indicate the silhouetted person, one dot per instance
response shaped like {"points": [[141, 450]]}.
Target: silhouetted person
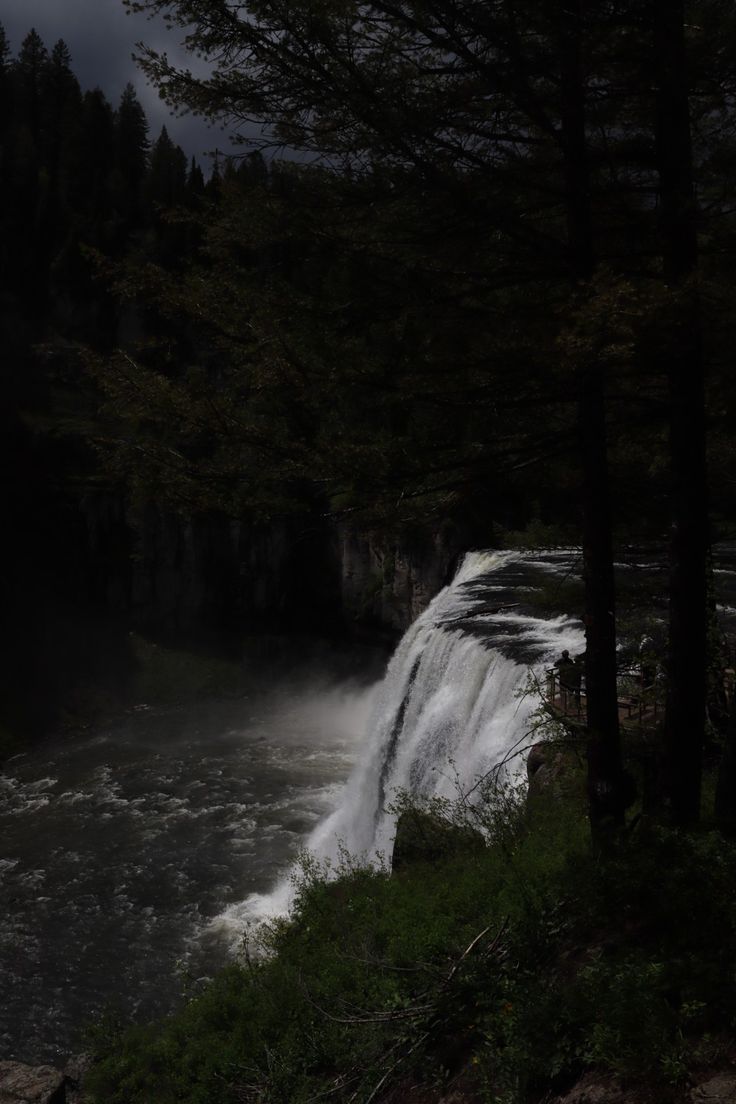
{"points": [[567, 670], [575, 676], [647, 664]]}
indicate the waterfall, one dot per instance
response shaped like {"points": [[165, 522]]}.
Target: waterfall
{"points": [[456, 699]]}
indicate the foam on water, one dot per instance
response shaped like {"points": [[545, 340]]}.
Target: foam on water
{"points": [[120, 846], [456, 699]]}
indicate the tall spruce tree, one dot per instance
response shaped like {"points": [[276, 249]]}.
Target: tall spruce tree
{"points": [[96, 157], [167, 173], [195, 182], [605, 771], [29, 75], [688, 645], [62, 110], [131, 157], [6, 121]]}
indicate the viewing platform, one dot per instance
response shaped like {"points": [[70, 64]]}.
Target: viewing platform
{"points": [[637, 707]]}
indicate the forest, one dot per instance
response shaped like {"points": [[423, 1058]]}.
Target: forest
{"points": [[469, 270]]}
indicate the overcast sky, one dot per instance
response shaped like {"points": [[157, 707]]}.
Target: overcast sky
{"points": [[101, 38]]}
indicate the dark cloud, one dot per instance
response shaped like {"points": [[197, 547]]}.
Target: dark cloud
{"points": [[101, 37]]}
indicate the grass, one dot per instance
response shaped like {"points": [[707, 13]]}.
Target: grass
{"points": [[515, 967]]}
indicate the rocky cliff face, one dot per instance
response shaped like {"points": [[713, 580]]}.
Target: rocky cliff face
{"points": [[386, 582], [175, 573]]}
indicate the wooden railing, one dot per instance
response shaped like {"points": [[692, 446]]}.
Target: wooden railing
{"points": [[643, 708]]}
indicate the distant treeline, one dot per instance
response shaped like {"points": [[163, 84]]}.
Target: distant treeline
{"points": [[75, 171]]}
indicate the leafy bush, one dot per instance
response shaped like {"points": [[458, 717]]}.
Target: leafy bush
{"points": [[522, 963]]}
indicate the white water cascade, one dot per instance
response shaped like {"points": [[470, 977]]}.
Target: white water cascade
{"points": [[455, 700]]}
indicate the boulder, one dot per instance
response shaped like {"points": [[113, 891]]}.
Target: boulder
{"points": [[76, 1070], [425, 837], [593, 1089], [719, 1089], [21, 1084]]}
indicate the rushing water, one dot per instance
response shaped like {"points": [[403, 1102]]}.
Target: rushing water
{"points": [[118, 849], [456, 699], [139, 851]]}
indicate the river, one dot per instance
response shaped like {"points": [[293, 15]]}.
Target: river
{"points": [[120, 847], [133, 857]]}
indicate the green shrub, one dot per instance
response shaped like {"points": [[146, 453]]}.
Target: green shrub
{"points": [[524, 963]]}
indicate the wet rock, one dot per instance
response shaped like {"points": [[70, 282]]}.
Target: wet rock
{"points": [[719, 1089], [75, 1071], [21, 1084], [425, 837], [592, 1090]]}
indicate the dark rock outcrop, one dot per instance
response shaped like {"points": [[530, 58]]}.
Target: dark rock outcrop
{"points": [[592, 1089], [387, 582], [718, 1089], [21, 1084]]}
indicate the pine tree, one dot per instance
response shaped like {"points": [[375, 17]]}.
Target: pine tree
{"points": [[195, 182], [29, 74], [4, 50], [59, 82], [131, 157], [688, 646], [6, 110], [94, 165], [213, 187], [62, 109], [167, 174]]}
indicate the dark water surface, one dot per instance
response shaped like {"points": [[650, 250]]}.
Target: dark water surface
{"points": [[118, 848]]}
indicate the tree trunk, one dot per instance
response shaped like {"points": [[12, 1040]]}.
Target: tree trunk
{"points": [[686, 690], [605, 776], [725, 803]]}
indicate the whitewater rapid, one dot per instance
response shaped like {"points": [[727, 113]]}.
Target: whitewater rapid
{"points": [[137, 851], [457, 700]]}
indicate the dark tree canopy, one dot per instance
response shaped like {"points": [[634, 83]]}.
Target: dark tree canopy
{"points": [[496, 151]]}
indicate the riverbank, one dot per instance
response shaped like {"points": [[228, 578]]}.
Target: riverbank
{"points": [[521, 971]]}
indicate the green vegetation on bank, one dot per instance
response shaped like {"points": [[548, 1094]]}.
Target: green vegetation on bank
{"points": [[504, 973]]}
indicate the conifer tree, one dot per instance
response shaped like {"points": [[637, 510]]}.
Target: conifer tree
{"points": [[60, 83], [29, 75], [167, 174], [95, 160], [213, 187], [5, 114], [62, 109], [131, 156], [688, 645], [195, 181]]}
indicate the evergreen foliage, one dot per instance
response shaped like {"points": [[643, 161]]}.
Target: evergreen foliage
{"points": [[131, 164], [73, 176], [538, 141]]}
